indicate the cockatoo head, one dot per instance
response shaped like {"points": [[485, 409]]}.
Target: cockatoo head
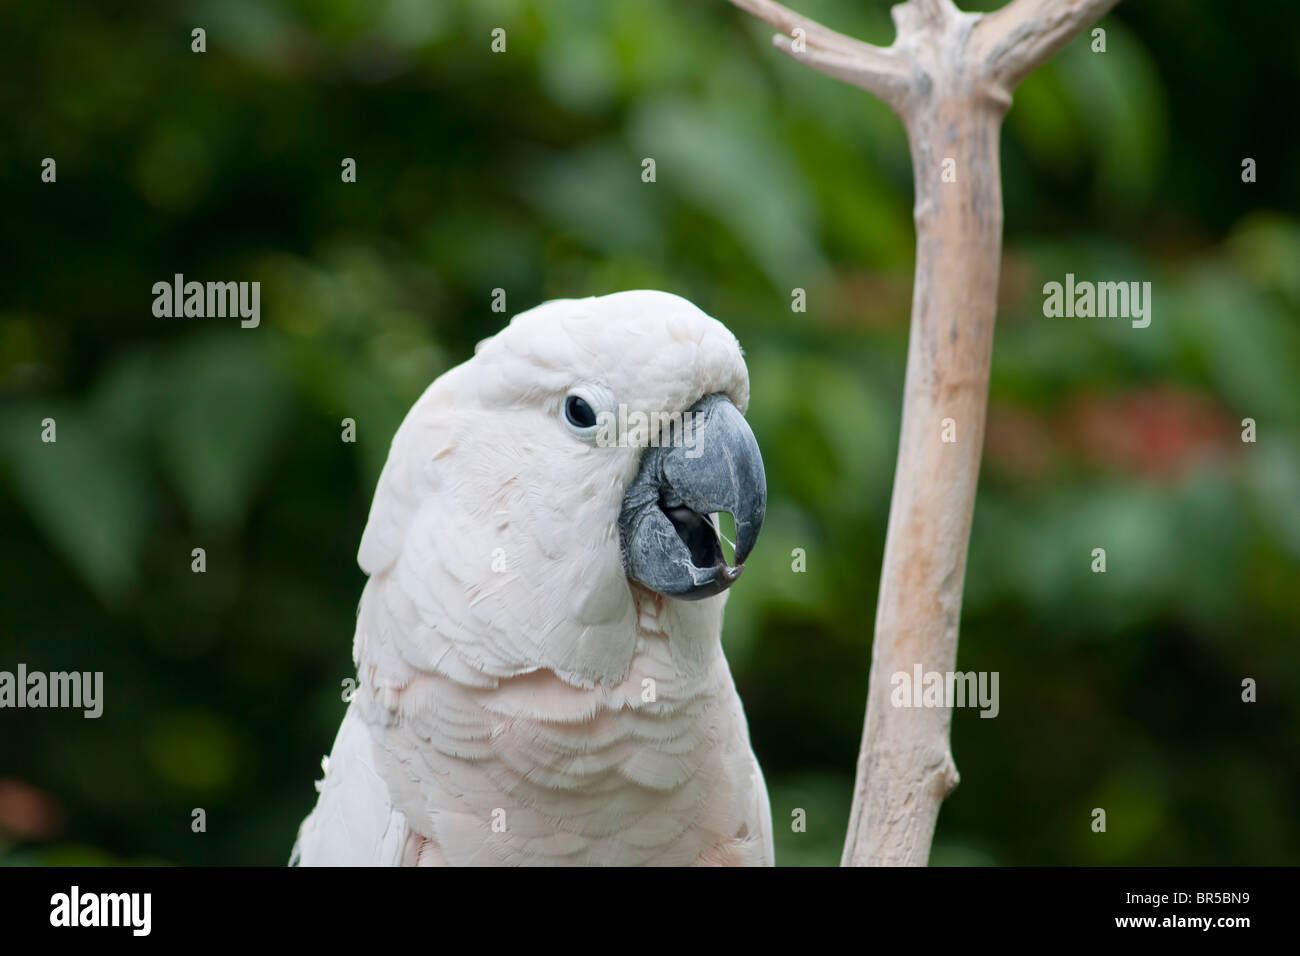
{"points": [[635, 401], [582, 452]]}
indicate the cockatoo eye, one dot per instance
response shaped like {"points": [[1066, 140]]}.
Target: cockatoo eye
{"points": [[578, 413], [583, 408]]}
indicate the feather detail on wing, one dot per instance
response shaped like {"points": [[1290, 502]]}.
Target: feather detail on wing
{"points": [[354, 823]]}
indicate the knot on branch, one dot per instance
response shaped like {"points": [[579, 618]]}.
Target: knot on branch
{"points": [[933, 36]]}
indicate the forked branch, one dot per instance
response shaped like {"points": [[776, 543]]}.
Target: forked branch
{"points": [[949, 75], [1004, 46]]}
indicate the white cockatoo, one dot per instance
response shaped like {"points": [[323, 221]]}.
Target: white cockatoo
{"points": [[540, 670]]}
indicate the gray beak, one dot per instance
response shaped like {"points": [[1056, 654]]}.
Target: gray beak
{"points": [[712, 465]]}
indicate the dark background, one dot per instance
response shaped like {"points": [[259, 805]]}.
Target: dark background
{"points": [[522, 171]]}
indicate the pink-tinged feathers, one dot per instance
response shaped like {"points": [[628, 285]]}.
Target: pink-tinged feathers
{"points": [[521, 701]]}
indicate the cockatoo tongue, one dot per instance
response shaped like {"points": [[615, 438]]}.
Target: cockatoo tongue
{"points": [[698, 533], [670, 542]]}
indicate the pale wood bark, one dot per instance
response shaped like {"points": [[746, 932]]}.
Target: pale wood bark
{"points": [[949, 76]]}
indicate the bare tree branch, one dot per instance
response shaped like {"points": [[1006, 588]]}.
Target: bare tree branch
{"points": [[879, 70], [1016, 39], [890, 85], [949, 75]]}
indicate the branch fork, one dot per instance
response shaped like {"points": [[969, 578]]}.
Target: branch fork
{"points": [[949, 76], [937, 45]]}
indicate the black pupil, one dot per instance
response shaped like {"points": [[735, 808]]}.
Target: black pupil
{"points": [[579, 412]]}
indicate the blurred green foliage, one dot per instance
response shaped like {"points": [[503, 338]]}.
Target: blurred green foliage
{"points": [[522, 171]]}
